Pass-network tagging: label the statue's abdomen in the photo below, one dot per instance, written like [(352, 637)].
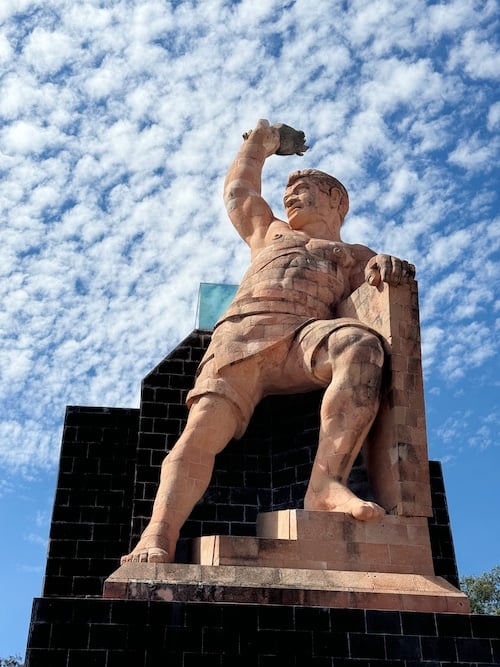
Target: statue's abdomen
[(297, 281)]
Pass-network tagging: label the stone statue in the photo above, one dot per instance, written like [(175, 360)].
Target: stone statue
[(281, 336)]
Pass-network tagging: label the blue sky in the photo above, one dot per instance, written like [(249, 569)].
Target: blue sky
[(118, 120)]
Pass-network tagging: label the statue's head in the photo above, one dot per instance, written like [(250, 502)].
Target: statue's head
[(325, 183)]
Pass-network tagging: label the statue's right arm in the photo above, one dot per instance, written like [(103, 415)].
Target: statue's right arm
[(250, 214)]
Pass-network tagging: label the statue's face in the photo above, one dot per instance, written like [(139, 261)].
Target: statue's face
[(303, 201)]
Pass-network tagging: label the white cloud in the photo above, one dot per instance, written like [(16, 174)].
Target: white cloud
[(402, 184), (477, 55), (444, 250), (10, 8), (26, 137), (450, 17), (48, 51), (395, 82), (494, 117), (475, 154), (34, 538)]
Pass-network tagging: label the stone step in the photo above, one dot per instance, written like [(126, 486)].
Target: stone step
[(301, 539), (175, 582)]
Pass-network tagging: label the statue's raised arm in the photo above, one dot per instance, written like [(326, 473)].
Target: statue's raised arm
[(250, 214)]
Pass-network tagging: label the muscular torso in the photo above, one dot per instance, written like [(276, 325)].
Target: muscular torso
[(293, 280), (296, 275)]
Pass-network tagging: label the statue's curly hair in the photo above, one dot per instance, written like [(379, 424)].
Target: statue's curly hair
[(325, 182)]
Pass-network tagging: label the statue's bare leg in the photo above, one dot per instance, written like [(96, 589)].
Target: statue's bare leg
[(353, 364), (185, 475)]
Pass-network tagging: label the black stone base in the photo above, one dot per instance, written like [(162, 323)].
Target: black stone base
[(69, 632)]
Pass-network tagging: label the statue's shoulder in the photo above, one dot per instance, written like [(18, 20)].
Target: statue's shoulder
[(278, 226), (360, 253)]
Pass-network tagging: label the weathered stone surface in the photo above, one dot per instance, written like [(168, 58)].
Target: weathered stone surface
[(174, 582), (396, 447)]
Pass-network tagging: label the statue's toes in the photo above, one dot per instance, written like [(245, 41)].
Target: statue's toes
[(158, 555), (367, 511)]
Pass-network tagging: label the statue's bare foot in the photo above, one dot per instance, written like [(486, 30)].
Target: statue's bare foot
[(153, 547), (343, 500), (147, 555), (362, 510)]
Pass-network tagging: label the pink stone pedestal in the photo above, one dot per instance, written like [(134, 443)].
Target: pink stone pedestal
[(177, 582), (322, 559), (303, 539)]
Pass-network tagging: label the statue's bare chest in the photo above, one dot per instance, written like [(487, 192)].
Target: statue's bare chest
[(297, 251), (293, 262)]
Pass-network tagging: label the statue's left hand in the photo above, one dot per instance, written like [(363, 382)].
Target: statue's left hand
[(265, 134), (279, 138), (388, 269)]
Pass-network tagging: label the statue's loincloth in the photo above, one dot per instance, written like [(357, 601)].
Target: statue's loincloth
[(276, 355), (238, 338)]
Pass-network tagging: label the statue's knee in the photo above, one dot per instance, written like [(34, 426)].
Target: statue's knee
[(372, 347), (357, 345), (345, 348)]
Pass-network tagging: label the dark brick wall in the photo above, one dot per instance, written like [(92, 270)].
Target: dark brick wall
[(443, 551), (90, 526), (118, 633)]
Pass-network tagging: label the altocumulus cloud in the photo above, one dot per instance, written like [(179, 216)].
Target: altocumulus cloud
[(118, 121)]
